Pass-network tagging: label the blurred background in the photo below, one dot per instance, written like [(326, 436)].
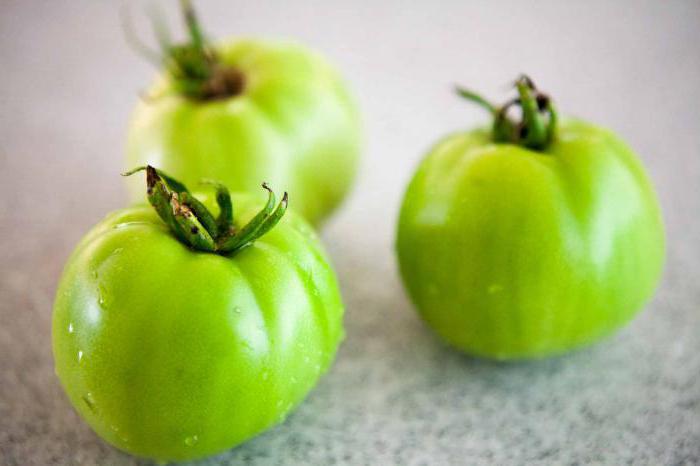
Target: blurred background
[(395, 394)]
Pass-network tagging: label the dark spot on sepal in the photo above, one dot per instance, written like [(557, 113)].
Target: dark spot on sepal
[(151, 177)]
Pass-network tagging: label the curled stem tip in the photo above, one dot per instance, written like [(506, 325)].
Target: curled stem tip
[(133, 170), (526, 81)]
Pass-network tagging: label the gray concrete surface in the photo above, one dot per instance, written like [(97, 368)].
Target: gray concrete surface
[(395, 396)]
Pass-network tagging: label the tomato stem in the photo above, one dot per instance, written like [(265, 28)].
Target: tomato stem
[(537, 126), (477, 99), (192, 25), (193, 67), (193, 224), (225, 219)]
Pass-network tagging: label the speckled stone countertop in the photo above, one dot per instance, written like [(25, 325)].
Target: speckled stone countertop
[(396, 395)]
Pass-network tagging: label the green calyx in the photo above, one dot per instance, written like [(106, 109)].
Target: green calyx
[(194, 225), (538, 122), (193, 67)]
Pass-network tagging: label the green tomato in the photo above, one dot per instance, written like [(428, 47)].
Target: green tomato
[(292, 123), (510, 252), (171, 353)]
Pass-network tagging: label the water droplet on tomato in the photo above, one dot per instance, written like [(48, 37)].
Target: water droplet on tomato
[(191, 441), (89, 401), (121, 225), (80, 355), (237, 310), (104, 298), (70, 327)]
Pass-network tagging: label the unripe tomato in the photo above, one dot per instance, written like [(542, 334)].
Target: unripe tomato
[(261, 110), (172, 353), (513, 246)]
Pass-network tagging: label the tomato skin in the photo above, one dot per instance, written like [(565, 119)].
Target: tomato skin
[(294, 126), (509, 253), (174, 354)]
